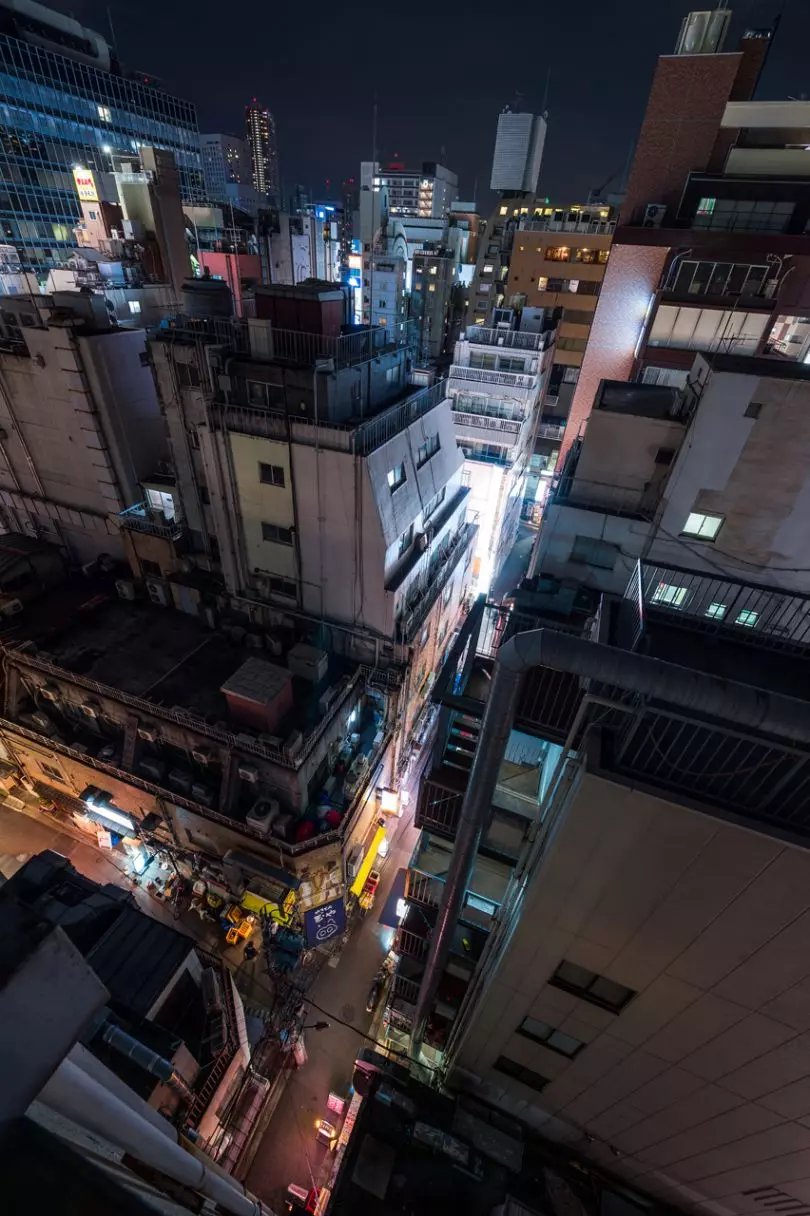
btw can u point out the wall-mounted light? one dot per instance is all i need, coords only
(644, 321)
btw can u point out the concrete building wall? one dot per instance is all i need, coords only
(261, 503)
(699, 1089)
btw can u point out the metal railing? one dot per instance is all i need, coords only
(604, 497)
(359, 438)
(488, 422)
(294, 346)
(430, 584)
(222, 331)
(483, 375)
(722, 606)
(512, 338)
(549, 430)
(141, 518)
(411, 944)
(422, 889)
(404, 989)
(502, 458)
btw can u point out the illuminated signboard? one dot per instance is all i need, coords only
(85, 186)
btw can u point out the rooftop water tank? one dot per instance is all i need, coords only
(207, 298)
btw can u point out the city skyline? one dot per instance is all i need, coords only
(594, 110)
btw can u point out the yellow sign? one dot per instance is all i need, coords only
(85, 186)
(368, 862)
(260, 903)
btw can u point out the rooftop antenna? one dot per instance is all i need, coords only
(112, 28)
(544, 105)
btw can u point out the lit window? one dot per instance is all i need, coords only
(667, 593)
(716, 611)
(104, 113)
(504, 211)
(542, 284)
(431, 287)
(705, 527)
(396, 477)
(134, 307)
(433, 269)
(747, 617)
(488, 269)
(706, 206)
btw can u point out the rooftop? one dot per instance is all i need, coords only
(641, 400)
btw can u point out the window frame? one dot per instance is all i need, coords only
(427, 450)
(400, 476)
(546, 1040)
(517, 1072)
(272, 480)
(584, 991)
(277, 539)
(705, 516)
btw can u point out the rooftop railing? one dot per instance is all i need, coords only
(723, 606)
(483, 375)
(509, 338)
(589, 227)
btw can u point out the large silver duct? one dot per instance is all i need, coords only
(702, 694)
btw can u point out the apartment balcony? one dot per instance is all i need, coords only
(428, 586)
(483, 375)
(142, 518)
(503, 457)
(510, 339)
(423, 889)
(550, 430)
(506, 430)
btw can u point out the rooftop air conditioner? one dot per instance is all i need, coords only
(294, 744)
(41, 720)
(262, 815)
(50, 692)
(201, 755)
(354, 861)
(249, 772)
(654, 215)
(10, 607)
(90, 709)
(203, 793)
(157, 591)
(149, 734)
(125, 588)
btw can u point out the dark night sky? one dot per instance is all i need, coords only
(441, 72)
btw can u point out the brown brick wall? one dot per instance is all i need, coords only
(632, 275)
(687, 100)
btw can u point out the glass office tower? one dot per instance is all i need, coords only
(65, 101)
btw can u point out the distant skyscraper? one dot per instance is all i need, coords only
(103, 113)
(261, 137)
(518, 152)
(225, 159)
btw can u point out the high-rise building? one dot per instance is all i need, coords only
(104, 112)
(411, 193)
(711, 241)
(497, 384)
(260, 128)
(518, 153)
(228, 172)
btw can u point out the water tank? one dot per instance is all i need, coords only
(207, 298)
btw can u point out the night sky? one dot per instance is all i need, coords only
(441, 73)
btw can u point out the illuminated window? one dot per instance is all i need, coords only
(396, 477)
(705, 527)
(542, 284)
(433, 270)
(104, 113)
(706, 206)
(747, 618)
(668, 593)
(558, 253)
(432, 287)
(487, 269)
(716, 610)
(134, 307)
(504, 210)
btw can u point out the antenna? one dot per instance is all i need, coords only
(544, 104)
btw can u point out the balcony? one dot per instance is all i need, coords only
(423, 889)
(550, 430)
(141, 518)
(483, 375)
(428, 586)
(486, 422)
(509, 338)
(587, 227)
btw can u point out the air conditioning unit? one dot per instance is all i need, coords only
(125, 588)
(249, 772)
(152, 768)
(202, 793)
(41, 720)
(262, 815)
(50, 692)
(294, 744)
(353, 862)
(422, 542)
(157, 591)
(201, 756)
(654, 215)
(90, 709)
(149, 734)
(10, 606)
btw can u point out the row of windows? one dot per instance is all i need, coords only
(588, 986)
(678, 597)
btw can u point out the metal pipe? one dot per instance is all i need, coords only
(696, 691)
(80, 1098)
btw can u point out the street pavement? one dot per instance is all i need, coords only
(288, 1151)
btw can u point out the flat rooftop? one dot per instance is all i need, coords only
(640, 400)
(162, 655)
